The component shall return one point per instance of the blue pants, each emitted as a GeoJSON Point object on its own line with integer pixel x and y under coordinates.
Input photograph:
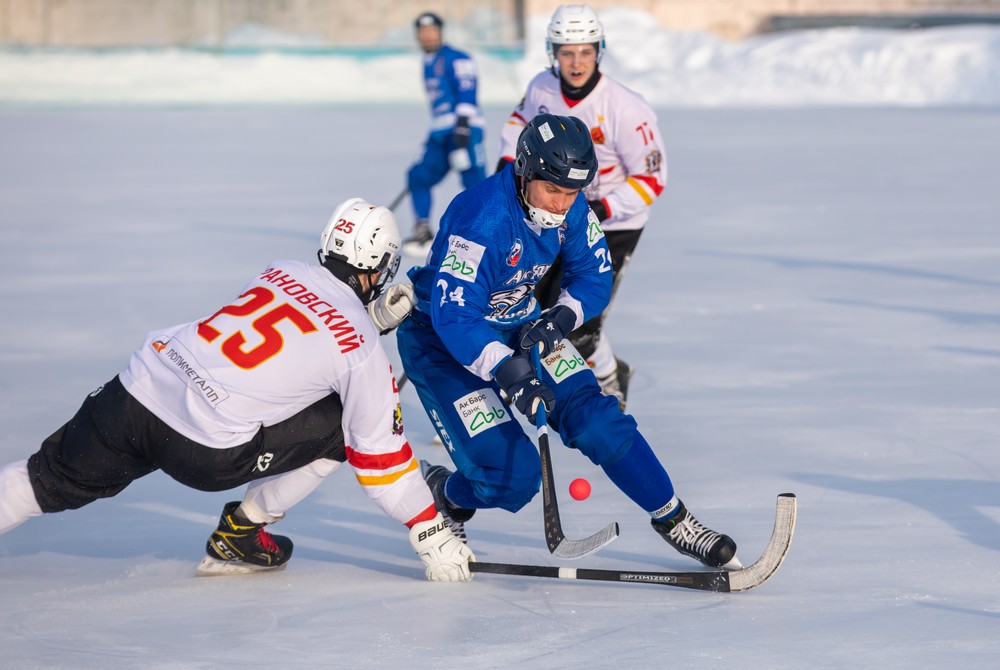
{"type": "Point", "coordinates": [433, 166]}
{"type": "Point", "coordinates": [489, 447]}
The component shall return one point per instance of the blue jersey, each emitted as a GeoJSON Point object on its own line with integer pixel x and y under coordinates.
{"type": "Point", "coordinates": [450, 81]}
{"type": "Point", "coordinates": [479, 280]}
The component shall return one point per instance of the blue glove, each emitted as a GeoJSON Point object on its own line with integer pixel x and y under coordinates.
{"type": "Point", "coordinates": [516, 376]}
{"type": "Point", "coordinates": [461, 135]}
{"type": "Point", "coordinates": [552, 328]}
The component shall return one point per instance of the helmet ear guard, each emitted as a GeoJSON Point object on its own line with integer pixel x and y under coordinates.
{"type": "Point", "coordinates": [361, 239]}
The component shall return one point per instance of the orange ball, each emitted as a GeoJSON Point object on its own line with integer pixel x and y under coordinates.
{"type": "Point", "coordinates": [579, 489]}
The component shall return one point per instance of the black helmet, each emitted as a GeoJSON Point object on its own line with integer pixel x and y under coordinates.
{"type": "Point", "coordinates": [557, 149]}
{"type": "Point", "coordinates": [428, 19]}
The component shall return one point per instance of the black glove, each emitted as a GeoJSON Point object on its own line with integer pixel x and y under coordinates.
{"type": "Point", "coordinates": [597, 206]}
{"type": "Point", "coordinates": [501, 164]}
{"type": "Point", "coordinates": [553, 327]}
{"type": "Point", "coordinates": [461, 135]}
{"type": "Point", "coordinates": [517, 378]}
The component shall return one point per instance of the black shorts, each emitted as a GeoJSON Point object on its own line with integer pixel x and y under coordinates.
{"type": "Point", "coordinates": [113, 440]}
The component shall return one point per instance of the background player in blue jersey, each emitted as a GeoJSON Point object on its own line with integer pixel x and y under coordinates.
{"type": "Point", "coordinates": [477, 318]}
{"type": "Point", "coordinates": [456, 136]}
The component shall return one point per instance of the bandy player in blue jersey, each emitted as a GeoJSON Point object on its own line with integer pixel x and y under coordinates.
{"type": "Point", "coordinates": [476, 319]}
{"type": "Point", "coordinates": [455, 141]}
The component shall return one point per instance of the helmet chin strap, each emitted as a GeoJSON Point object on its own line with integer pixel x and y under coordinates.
{"type": "Point", "coordinates": [541, 217]}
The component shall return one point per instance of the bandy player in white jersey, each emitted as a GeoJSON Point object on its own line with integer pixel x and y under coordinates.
{"type": "Point", "coordinates": [276, 389]}
{"type": "Point", "coordinates": [632, 166]}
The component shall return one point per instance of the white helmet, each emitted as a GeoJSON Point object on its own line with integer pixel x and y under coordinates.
{"type": "Point", "coordinates": [574, 24]}
{"type": "Point", "coordinates": [361, 237]}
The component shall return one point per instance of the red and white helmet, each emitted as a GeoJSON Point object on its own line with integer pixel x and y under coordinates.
{"type": "Point", "coordinates": [364, 237]}
{"type": "Point", "coordinates": [574, 24]}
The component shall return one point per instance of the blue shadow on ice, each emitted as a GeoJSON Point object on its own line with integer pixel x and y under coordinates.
{"type": "Point", "coordinates": [950, 315]}
{"type": "Point", "coordinates": [954, 501]}
{"type": "Point", "coordinates": [869, 268]}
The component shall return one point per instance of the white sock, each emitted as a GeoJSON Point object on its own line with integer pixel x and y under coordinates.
{"type": "Point", "coordinates": [17, 498]}
{"type": "Point", "coordinates": [268, 499]}
{"type": "Point", "coordinates": [603, 361]}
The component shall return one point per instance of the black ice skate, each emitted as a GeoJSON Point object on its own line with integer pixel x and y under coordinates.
{"type": "Point", "coordinates": [455, 517]}
{"type": "Point", "coordinates": [419, 243]}
{"type": "Point", "coordinates": [616, 383]}
{"type": "Point", "coordinates": [687, 535]}
{"type": "Point", "coordinates": [239, 546]}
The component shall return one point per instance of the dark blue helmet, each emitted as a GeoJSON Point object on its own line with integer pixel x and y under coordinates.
{"type": "Point", "coordinates": [558, 149]}
{"type": "Point", "coordinates": [428, 19]}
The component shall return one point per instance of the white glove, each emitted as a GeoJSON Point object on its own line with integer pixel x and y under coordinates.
{"type": "Point", "coordinates": [389, 309]}
{"type": "Point", "coordinates": [446, 558]}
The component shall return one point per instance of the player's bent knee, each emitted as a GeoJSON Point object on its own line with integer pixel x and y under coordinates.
{"type": "Point", "coordinates": [512, 496]}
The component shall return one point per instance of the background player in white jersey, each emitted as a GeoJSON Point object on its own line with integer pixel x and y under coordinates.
{"type": "Point", "coordinates": [278, 388]}
{"type": "Point", "coordinates": [633, 169]}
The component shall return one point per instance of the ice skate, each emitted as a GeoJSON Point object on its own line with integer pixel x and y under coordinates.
{"type": "Point", "coordinates": [455, 517]}
{"type": "Point", "coordinates": [687, 535]}
{"type": "Point", "coordinates": [616, 383]}
{"type": "Point", "coordinates": [239, 546]}
{"type": "Point", "coordinates": [419, 243]}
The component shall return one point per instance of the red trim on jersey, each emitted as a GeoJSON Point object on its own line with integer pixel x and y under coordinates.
{"type": "Point", "coordinates": [605, 170]}
{"type": "Point", "coordinates": [571, 103]}
{"type": "Point", "coordinates": [650, 181]}
{"type": "Point", "coordinates": [379, 461]}
{"type": "Point", "coordinates": [427, 515]}
{"type": "Point", "coordinates": [519, 118]}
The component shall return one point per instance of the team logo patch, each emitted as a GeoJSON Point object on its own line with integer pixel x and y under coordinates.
{"type": "Point", "coordinates": [397, 420]}
{"type": "Point", "coordinates": [654, 159]}
{"type": "Point", "coordinates": [597, 135]}
{"type": "Point", "coordinates": [564, 361]}
{"type": "Point", "coordinates": [514, 255]}
{"type": "Point", "coordinates": [463, 258]}
{"type": "Point", "coordinates": [594, 230]}
{"type": "Point", "coordinates": [481, 410]}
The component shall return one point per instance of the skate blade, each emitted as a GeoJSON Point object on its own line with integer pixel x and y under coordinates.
{"type": "Point", "coordinates": [733, 564]}
{"type": "Point", "coordinates": [213, 567]}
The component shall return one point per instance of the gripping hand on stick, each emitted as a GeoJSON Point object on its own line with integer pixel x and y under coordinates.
{"type": "Point", "coordinates": [516, 376]}
{"type": "Point", "coordinates": [554, 325]}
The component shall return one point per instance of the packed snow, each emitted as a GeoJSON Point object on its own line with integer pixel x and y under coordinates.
{"type": "Point", "coordinates": [843, 66]}
{"type": "Point", "coordinates": [814, 307]}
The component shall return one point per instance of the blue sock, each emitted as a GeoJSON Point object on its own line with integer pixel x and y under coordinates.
{"type": "Point", "coordinates": [641, 477]}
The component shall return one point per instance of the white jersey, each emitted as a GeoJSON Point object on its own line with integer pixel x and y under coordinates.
{"type": "Point", "coordinates": [295, 335]}
{"type": "Point", "coordinates": [632, 167]}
